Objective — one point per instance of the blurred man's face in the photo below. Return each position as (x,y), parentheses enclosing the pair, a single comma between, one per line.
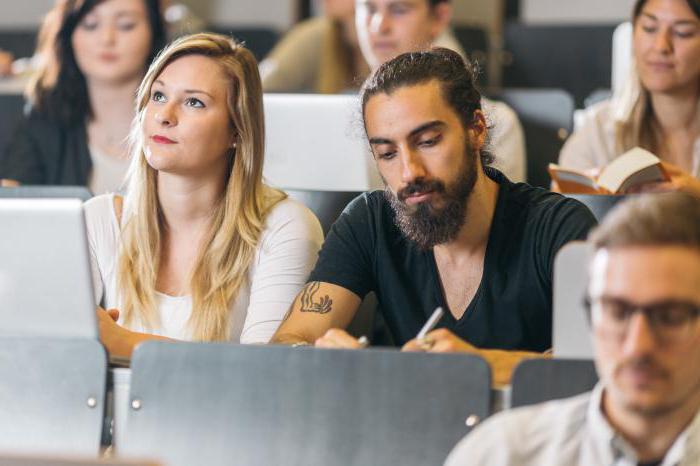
(647,342)
(339,9)
(388,28)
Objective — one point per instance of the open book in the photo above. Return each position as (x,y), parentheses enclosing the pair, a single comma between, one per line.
(633,168)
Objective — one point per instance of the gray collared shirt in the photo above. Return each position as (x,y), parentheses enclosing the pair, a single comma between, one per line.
(567,432)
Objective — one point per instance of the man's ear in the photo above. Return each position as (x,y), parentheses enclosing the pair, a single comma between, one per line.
(442,15)
(478,130)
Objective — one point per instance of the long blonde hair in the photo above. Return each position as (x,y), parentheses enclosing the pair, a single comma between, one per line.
(228,247)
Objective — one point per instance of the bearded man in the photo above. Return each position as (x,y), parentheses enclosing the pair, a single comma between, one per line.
(448,231)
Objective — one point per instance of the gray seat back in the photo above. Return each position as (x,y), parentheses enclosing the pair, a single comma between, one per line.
(251,405)
(547,116)
(52,396)
(539,380)
(53,192)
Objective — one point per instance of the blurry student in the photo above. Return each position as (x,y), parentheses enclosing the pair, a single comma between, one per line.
(198,248)
(388,28)
(644,312)
(659,109)
(318,55)
(82,95)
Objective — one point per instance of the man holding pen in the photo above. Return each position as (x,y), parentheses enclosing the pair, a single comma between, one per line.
(448,230)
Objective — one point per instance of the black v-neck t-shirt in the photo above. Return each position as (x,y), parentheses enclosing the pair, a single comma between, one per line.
(512,308)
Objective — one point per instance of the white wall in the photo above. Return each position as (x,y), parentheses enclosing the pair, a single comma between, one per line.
(24,14)
(279,14)
(575,11)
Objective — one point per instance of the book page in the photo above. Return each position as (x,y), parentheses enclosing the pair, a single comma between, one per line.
(626,166)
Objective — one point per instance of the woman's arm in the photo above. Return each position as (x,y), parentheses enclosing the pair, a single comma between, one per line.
(287,253)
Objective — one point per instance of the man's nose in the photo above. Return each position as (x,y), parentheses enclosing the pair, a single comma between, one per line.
(640,338)
(411,166)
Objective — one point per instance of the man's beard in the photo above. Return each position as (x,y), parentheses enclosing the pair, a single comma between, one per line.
(426,225)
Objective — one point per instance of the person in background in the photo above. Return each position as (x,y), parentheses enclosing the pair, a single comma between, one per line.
(198,248)
(94,55)
(387,28)
(319,55)
(447,231)
(644,310)
(659,108)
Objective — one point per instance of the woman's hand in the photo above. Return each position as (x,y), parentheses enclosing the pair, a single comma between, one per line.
(118,340)
(681,181)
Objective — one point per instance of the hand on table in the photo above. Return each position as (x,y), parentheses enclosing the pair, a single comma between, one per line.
(502,362)
(339,339)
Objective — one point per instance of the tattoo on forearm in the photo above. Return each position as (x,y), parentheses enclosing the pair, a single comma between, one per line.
(311,303)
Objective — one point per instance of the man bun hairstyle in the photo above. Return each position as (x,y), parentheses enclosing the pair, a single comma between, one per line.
(457,78)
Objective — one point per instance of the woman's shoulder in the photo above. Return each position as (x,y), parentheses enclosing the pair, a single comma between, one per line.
(101,213)
(599,115)
(290,212)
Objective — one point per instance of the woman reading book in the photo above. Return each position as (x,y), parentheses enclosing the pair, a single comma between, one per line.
(659,107)
(198,248)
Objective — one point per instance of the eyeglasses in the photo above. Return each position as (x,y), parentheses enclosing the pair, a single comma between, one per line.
(671,321)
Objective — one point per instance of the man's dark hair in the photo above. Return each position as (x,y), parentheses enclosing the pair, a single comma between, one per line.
(435,2)
(456,77)
(669,219)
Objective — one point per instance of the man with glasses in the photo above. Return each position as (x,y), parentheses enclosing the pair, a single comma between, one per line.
(644,307)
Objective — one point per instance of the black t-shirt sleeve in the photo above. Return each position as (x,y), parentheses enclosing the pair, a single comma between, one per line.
(565,221)
(22,158)
(347,256)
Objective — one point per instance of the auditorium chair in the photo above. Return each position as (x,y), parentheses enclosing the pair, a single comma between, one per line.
(52,396)
(538,380)
(224,404)
(547,119)
(259,40)
(577,58)
(55,192)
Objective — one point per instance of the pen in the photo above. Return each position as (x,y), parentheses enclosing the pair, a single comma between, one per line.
(431,323)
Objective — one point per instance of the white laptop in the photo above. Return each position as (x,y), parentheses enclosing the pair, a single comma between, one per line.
(317,142)
(45,275)
(571,331)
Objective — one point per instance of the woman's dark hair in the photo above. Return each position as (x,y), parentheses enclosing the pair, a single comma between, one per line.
(692,4)
(59,90)
(456,77)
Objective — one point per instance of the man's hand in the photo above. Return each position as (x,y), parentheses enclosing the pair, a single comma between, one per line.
(502,362)
(339,339)
(440,341)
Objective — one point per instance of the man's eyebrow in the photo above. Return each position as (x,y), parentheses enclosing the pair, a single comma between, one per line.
(424,127)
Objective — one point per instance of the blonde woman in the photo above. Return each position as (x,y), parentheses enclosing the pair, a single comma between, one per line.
(199,248)
(659,109)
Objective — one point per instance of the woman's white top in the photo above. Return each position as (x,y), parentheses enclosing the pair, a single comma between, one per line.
(108,172)
(286,253)
(593,144)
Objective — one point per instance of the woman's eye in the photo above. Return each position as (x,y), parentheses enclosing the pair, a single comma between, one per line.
(196,103)
(158,97)
(684,34)
(649,29)
(126,26)
(89,25)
